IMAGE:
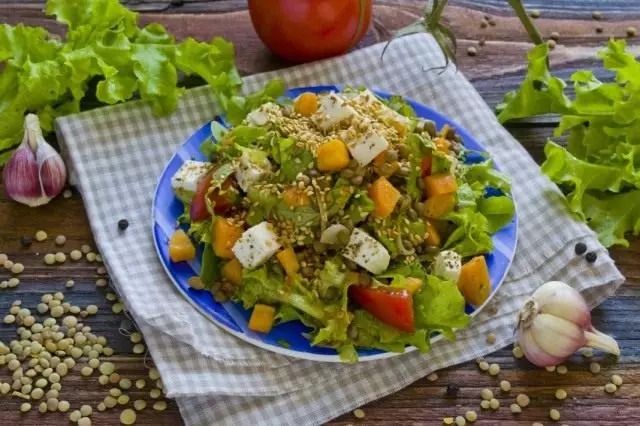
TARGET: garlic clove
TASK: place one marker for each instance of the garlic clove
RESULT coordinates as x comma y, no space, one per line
533,351
557,336
35,173
561,300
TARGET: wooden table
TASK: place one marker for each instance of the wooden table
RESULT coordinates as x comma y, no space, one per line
498,67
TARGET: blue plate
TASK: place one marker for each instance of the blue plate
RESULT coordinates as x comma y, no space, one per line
231,316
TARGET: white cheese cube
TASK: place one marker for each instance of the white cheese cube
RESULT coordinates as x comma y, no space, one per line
186,179
256,245
367,252
249,172
448,265
367,147
257,118
382,112
331,111
331,235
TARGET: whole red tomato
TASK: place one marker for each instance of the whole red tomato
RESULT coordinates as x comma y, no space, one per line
306,30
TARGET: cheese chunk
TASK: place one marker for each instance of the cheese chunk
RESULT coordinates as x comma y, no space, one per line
367,147
448,265
186,179
256,245
257,118
331,112
382,112
250,171
367,252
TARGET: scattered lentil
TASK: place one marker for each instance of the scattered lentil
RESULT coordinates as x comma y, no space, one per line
74,416
561,394
460,421
494,404
550,368
616,380
587,353
84,421
155,393
49,258
86,371
103,380
505,386
52,404
471,416
60,240
140,348
486,394
67,193
92,309
535,13
85,249
484,404
594,367
110,401
515,409
494,369
432,377
25,407
128,417
123,399
17,268
69,284
562,369
42,407
596,15
140,383
471,51
94,363
554,36
13,282
41,236
610,388
125,384
101,406
91,256
554,414
86,410
447,420
551,43
522,400
154,374
63,406
631,31
135,337
491,338
162,405
60,257
483,365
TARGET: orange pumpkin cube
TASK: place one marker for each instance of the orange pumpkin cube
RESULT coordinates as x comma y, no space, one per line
262,318
289,261
306,104
180,247
294,197
439,205
332,156
440,183
433,236
443,145
384,196
474,282
232,271
225,235
412,284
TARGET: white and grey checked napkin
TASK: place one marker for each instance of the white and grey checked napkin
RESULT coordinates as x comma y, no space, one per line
117,154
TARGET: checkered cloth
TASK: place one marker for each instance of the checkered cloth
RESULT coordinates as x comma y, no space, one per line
117,154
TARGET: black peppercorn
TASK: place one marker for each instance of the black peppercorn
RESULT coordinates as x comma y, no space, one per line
123,224
591,257
26,241
452,390
580,249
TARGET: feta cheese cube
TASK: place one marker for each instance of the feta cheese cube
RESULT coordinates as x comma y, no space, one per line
249,172
186,179
256,245
257,117
367,147
448,265
367,252
331,111
382,112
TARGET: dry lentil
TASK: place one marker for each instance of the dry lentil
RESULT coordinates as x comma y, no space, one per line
41,236
471,51
101,406
94,363
17,268
75,255
535,13
550,368
128,417
110,401
505,386
70,284
484,404
515,408
587,353
460,421
123,399
114,378
140,348
49,258
631,31
432,377
154,374
483,365
610,388
554,35
494,369
25,407
561,394
551,43
155,393
494,404
594,367
101,282
491,338
86,410
522,400
596,15
140,383
135,337
91,256
554,414
42,407
60,257
84,421
616,380
86,371
60,240
562,369
486,394
471,416
52,404
162,405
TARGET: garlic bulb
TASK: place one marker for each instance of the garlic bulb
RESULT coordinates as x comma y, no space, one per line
555,322
35,173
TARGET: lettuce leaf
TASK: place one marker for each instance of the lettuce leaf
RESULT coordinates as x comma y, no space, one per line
613,215
471,236
359,207
374,334
201,231
439,306
498,210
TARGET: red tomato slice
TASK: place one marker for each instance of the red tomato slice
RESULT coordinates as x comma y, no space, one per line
392,307
222,202
426,165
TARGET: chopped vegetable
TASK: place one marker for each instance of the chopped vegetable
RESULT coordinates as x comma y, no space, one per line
432,237
225,235
439,184
384,195
262,318
295,197
289,261
392,307
474,281
180,247
332,156
439,205
232,270
306,104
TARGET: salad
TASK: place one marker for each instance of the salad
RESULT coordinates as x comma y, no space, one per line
346,212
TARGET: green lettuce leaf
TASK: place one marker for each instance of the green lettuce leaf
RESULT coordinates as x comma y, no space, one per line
374,334
201,231
339,196
613,215
439,306
359,207
471,236
210,267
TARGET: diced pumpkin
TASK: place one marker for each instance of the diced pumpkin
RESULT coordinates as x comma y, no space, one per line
225,235
474,282
439,205
306,104
295,197
383,167
412,284
232,270
443,145
289,261
384,196
180,247
332,156
433,236
440,183
262,318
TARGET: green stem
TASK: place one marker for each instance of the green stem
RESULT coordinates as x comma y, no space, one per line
438,8
518,7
